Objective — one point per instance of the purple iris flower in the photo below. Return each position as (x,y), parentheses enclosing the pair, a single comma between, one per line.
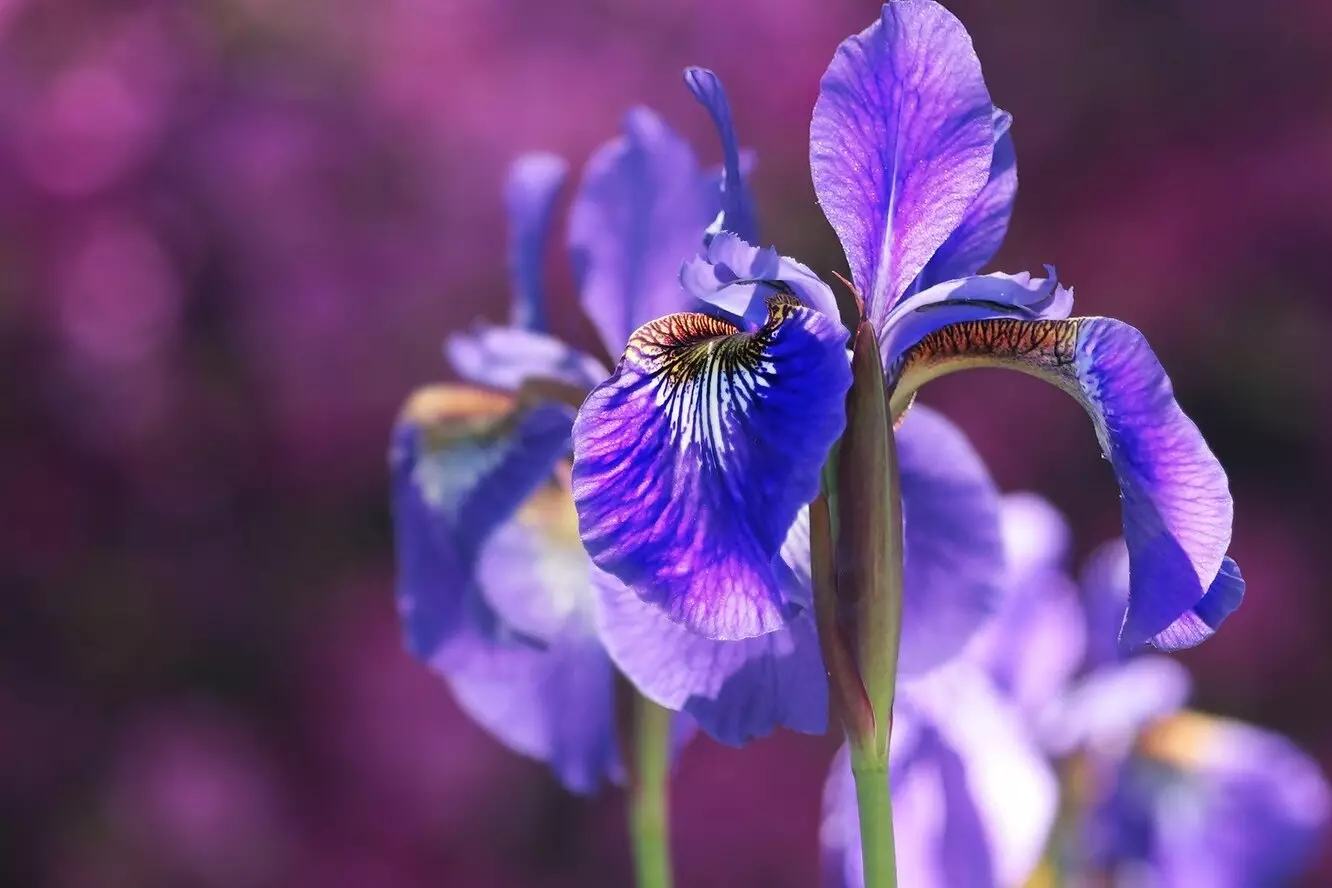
(494,588)
(694,460)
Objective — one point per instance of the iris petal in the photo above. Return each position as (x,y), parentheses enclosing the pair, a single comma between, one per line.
(529,196)
(1177,508)
(953,572)
(738,278)
(506,357)
(642,207)
(980,233)
(1201,622)
(693,459)
(901,144)
(737,207)
(462,462)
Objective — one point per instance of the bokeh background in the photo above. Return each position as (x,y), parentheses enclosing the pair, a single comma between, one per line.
(233,234)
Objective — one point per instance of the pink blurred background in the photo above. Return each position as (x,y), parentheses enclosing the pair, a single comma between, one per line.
(233,234)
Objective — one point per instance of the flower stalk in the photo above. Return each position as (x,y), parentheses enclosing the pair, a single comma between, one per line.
(649,808)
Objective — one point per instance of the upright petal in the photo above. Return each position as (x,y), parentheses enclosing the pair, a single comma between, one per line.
(737,691)
(641,209)
(529,196)
(462,462)
(737,207)
(1176,500)
(505,357)
(900,144)
(954,565)
(981,232)
(693,459)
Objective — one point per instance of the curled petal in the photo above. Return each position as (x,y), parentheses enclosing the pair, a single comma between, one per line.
(973,797)
(506,357)
(953,573)
(900,145)
(641,209)
(737,207)
(738,279)
(529,196)
(1176,500)
(980,233)
(735,690)
(462,462)
(693,459)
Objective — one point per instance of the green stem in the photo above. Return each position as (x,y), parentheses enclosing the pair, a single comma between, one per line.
(875,804)
(649,825)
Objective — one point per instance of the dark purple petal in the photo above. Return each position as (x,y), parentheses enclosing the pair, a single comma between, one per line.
(973,797)
(736,690)
(462,461)
(954,566)
(738,278)
(981,232)
(995,295)
(1176,500)
(1197,625)
(1239,806)
(693,459)
(900,145)
(737,207)
(641,210)
(506,357)
(529,196)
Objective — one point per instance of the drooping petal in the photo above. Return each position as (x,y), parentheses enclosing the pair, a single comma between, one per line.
(738,278)
(641,209)
(995,295)
(693,459)
(900,145)
(736,690)
(973,797)
(981,232)
(505,357)
(529,197)
(1034,644)
(737,207)
(1239,806)
(462,462)
(1201,622)
(1176,501)
(954,564)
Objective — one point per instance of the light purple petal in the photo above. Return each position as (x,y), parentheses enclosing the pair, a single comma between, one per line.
(505,357)
(973,797)
(736,690)
(640,211)
(900,145)
(954,560)
(737,207)
(981,232)
(692,461)
(738,278)
(1107,709)
(529,197)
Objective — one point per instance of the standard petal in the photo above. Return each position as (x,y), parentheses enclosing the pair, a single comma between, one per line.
(693,459)
(900,144)
(737,691)
(954,567)
(981,232)
(1176,500)
(505,357)
(641,210)
(995,295)
(738,278)
(973,797)
(529,197)
(1237,807)
(737,207)
(462,462)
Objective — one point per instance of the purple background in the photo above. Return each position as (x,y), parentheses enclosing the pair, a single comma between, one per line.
(233,234)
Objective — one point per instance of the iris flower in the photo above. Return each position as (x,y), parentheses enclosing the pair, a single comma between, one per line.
(693,462)
(495,591)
